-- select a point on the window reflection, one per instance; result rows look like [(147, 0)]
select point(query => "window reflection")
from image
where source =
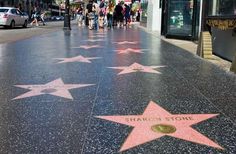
[(180, 17), (221, 7)]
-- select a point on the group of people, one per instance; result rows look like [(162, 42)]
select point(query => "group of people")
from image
[(95, 16), (105, 14)]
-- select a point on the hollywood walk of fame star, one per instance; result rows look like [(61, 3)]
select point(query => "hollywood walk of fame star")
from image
[(97, 36), (76, 59), (135, 67), (129, 50), (88, 46), (126, 42), (156, 122), (55, 87), (94, 40)]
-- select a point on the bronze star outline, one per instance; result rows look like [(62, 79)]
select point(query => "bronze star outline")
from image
[(142, 127)]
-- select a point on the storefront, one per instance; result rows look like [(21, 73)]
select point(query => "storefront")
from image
[(180, 18), (220, 19)]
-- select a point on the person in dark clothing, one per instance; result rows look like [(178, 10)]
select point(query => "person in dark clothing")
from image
[(138, 16), (89, 6), (127, 14), (119, 14)]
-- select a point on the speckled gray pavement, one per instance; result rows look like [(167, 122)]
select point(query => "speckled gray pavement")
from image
[(103, 101)]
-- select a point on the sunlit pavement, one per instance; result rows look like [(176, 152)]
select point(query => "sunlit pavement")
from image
[(117, 91), (8, 35)]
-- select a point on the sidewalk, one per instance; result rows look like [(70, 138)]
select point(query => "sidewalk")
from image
[(18, 33), (192, 48), (116, 91)]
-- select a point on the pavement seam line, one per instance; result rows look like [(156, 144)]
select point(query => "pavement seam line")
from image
[(91, 113)]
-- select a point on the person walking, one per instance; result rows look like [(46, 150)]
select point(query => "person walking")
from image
[(119, 14), (96, 13), (35, 15), (90, 14), (42, 17), (110, 11), (80, 16), (102, 14), (127, 15)]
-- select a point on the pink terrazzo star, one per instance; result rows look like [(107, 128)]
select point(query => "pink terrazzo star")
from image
[(129, 50), (76, 59), (55, 87), (94, 40), (156, 122), (126, 42), (88, 46), (97, 36), (135, 67)]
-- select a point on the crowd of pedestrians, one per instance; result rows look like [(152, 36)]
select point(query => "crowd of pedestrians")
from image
[(106, 14)]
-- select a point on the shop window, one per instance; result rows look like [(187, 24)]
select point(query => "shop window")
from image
[(144, 6), (221, 7), (180, 13)]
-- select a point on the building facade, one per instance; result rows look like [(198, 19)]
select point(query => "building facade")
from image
[(219, 17), (185, 19), (174, 18)]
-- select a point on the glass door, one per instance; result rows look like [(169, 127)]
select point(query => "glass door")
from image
[(180, 18)]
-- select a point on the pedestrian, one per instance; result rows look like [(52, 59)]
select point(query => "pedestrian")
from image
[(90, 14), (102, 14), (42, 17), (127, 15), (110, 11), (96, 13), (80, 16), (35, 15), (119, 14)]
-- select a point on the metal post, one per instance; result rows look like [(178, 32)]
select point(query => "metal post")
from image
[(67, 16)]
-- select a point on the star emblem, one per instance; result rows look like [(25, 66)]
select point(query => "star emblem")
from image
[(88, 46), (129, 50), (76, 59), (56, 88), (94, 40), (135, 67), (125, 42), (156, 122), (97, 36)]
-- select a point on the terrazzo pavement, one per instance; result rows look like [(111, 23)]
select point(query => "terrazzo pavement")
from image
[(53, 123)]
